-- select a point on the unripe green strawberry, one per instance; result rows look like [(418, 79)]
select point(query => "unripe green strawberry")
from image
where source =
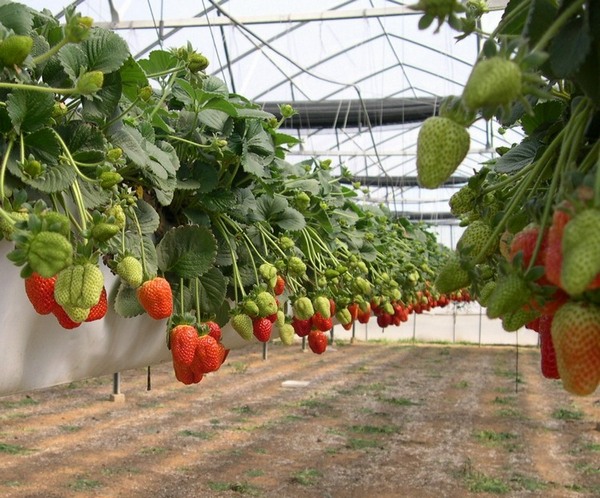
[(109, 179), (90, 82), (78, 286), (78, 28), (7, 228), (474, 239), (101, 232), (242, 324), (303, 308), (117, 212), (363, 285), (286, 243), (452, 276), (250, 307), (442, 144), (197, 62), (302, 201), (514, 320), (76, 313), (267, 271), (131, 271), (510, 294), (581, 251), (576, 339), (485, 293), (48, 253), (286, 334), (462, 201), (280, 318), (266, 303), (296, 266), (321, 304), (14, 49), (56, 222), (343, 316), (493, 82)]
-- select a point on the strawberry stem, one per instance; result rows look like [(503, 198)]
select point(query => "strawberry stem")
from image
[(142, 250), (4, 165)]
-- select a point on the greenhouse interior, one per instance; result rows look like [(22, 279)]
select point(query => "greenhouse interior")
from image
[(300, 249)]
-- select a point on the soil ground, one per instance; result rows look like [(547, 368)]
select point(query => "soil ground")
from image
[(375, 420)]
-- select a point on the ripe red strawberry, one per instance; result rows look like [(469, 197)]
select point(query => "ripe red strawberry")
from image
[(576, 339), (524, 243), (261, 328), (183, 340), (186, 374), (272, 318), (317, 341), (547, 352), (301, 327), (353, 309), (493, 82), (156, 298), (279, 286), (214, 330), (208, 355), (384, 320), (319, 322), (348, 326), (442, 144), (40, 291), (364, 315), (63, 319), (98, 311)]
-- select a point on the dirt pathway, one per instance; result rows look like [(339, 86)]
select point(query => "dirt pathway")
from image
[(385, 420)]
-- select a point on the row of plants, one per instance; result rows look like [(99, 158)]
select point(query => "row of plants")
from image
[(531, 249), (153, 169)]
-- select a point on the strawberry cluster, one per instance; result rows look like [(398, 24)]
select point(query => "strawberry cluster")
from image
[(196, 354)]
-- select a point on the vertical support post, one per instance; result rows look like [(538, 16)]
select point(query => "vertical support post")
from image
[(148, 380), (265, 350), (454, 324), (116, 395), (414, 326), (480, 320), (353, 338)]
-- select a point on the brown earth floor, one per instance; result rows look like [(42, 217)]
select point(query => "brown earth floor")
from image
[(375, 420)]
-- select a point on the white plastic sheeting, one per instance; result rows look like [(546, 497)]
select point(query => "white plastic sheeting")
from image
[(36, 352)]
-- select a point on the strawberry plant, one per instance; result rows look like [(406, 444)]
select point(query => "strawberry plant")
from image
[(537, 258), (181, 189)]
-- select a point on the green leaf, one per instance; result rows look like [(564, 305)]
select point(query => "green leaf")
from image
[(213, 118), (56, 178), (126, 303), (93, 195), (29, 110), (570, 47), (188, 251), (198, 176), (258, 140), (105, 101), (44, 145), (545, 113), (85, 141), (73, 60), (212, 290), (289, 219), (158, 61), (542, 14), (105, 51), (516, 24), (215, 86), (282, 138), (132, 78), (518, 157), (17, 17), (247, 112), (267, 207), (147, 217)]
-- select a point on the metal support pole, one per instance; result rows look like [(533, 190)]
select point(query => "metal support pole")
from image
[(480, 319), (148, 380), (116, 395), (454, 324), (414, 326), (265, 350)]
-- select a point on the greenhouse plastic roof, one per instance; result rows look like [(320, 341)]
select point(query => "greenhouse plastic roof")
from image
[(361, 74)]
